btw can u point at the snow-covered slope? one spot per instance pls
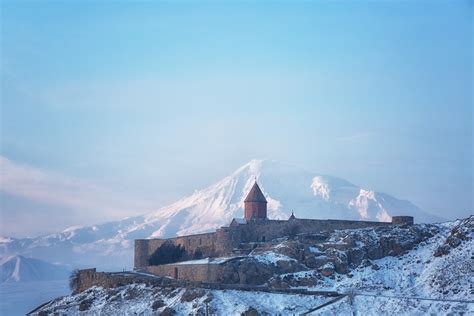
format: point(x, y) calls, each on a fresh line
point(19, 268)
point(435, 276)
point(286, 188)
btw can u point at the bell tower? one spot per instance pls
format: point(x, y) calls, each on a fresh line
point(255, 204)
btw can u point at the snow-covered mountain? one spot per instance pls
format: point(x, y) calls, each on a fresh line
point(286, 187)
point(19, 268)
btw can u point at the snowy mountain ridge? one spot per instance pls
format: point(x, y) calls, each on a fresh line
point(285, 186)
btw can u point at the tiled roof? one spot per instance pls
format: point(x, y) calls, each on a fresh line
point(255, 195)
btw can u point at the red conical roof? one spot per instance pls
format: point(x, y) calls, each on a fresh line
point(255, 195)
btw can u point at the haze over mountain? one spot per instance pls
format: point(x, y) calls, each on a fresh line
point(286, 187)
point(20, 269)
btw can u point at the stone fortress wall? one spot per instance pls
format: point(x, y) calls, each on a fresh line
point(190, 272)
point(226, 239)
point(87, 278)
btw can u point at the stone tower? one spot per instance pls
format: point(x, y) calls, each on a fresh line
point(255, 204)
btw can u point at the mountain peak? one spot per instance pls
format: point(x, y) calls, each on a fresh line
point(19, 268)
point(252, 167)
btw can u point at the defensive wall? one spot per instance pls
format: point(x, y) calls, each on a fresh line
point(87, 278)
point(226, 239)
point(191, 272)
point(90, 277)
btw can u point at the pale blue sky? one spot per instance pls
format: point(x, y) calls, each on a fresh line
point(135, 104)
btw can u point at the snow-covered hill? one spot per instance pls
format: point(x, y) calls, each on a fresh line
point(286, 187)
point(429, 270)
point(19, 268)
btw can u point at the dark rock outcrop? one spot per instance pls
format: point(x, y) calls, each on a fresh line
point(461, 232)
point(191, 294)
point(250, 312)
point(328, 269)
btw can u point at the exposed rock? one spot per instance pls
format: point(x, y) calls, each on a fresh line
point(168, 311)
point(278, 283)
point(309, 278)
point(85, 305)
point(292, 249)
point(340, 261)
point(230, 274)
point(253, 272)
point(284, 266)
point(191, 294)
point(461, 232)
point(328, 269)
point(339, 246)
point(209, 297)
point(379, 242)
point(131, 294)
point(250, 312)
point(157, 304)
point(246, 271)
point(356, 255)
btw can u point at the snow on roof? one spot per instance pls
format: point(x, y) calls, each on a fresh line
point(207, 261)
point(240, 220)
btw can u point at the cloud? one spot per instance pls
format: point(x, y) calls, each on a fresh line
point(61, 190)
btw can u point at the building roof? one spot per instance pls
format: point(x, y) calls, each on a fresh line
point(292, 216)
point(239, 221)
point(255, 194)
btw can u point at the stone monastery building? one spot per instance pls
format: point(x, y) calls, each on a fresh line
point(235, 239)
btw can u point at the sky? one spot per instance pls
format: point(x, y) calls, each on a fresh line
point(115, 108)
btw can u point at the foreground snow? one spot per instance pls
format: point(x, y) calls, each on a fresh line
point(416, 274)
point(377, 305)
point(139, 299)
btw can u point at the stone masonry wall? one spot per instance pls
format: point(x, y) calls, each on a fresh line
point(268, 230)
point(189, 272)
point(90, 277)
point(207, 243)
point(225, 239)
point(407, 220)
